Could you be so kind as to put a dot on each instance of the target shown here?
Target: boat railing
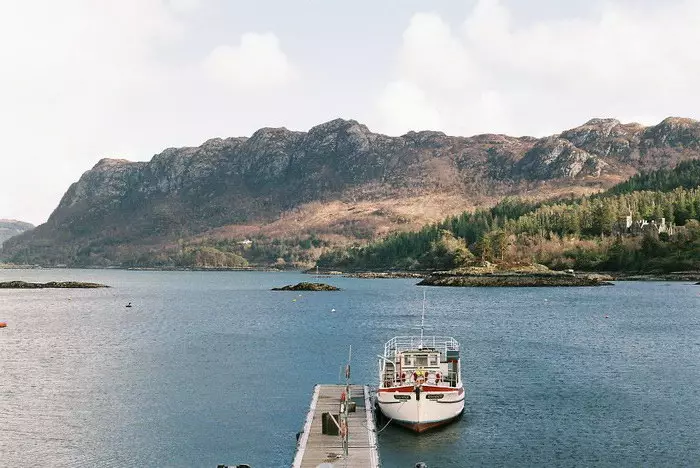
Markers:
(390, 378)
(400, 344)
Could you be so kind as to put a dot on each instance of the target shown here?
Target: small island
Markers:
(487, 274)
(304, 286)
(50, 284)
(385, 275)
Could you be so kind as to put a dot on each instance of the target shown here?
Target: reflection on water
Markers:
(212, 367)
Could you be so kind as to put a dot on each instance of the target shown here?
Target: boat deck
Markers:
(315, 448)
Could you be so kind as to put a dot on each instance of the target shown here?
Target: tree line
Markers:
(685, 174)
(565, 233)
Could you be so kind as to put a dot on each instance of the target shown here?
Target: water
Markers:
(212, 367)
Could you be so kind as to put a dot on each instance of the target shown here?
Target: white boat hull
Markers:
(434, 407)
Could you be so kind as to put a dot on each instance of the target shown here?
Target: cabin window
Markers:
(422, 360)
(407, 360)
(433, 360)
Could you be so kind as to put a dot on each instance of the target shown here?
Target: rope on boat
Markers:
(390, 419)
(385, 426)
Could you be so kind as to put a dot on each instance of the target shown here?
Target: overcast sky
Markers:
(85, 79)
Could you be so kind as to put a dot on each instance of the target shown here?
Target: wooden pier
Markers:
(315, 448)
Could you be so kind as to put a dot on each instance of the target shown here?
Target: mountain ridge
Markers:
(12, 227)
(186, 192)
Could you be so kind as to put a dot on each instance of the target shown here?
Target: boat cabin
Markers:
(415, 361)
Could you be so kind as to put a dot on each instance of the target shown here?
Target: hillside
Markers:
(654, 229)
(283, 197)
(11, 227)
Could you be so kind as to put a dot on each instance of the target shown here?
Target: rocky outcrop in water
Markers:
(50, 284)
(304, 286)
(486, 274)
(384, 275)
(119, 209)
(515, 280)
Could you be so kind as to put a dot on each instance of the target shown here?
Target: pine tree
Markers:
(484, 248)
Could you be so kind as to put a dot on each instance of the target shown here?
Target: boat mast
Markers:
(422, 321)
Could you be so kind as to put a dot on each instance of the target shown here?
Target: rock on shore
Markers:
(304, 286)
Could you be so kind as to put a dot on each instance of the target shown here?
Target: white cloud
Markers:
(257, 63)
(496, 76)
(433, 56)
(408, 106)
(66, 67)
(86, 79)
(184, 6)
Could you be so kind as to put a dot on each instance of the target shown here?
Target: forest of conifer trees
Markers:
(573, 233)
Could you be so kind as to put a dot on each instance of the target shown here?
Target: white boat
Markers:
(420, 385)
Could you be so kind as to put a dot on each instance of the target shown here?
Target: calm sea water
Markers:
(213, 367)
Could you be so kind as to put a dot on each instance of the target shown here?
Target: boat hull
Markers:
(423, 427)
(421, 411)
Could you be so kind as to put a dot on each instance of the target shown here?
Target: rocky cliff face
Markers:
(183, 192)
(11, 227)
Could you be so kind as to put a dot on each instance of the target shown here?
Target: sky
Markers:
(81, 80)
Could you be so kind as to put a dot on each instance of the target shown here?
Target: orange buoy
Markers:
(3, 324)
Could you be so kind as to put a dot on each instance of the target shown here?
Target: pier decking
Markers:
(315, 448)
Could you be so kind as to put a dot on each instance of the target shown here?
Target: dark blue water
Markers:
(212, 367)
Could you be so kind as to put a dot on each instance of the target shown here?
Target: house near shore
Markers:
(627, 226)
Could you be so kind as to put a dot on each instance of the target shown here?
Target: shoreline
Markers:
(673, 276)
(679, 276)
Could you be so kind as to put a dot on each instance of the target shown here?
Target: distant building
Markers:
(626, 226)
